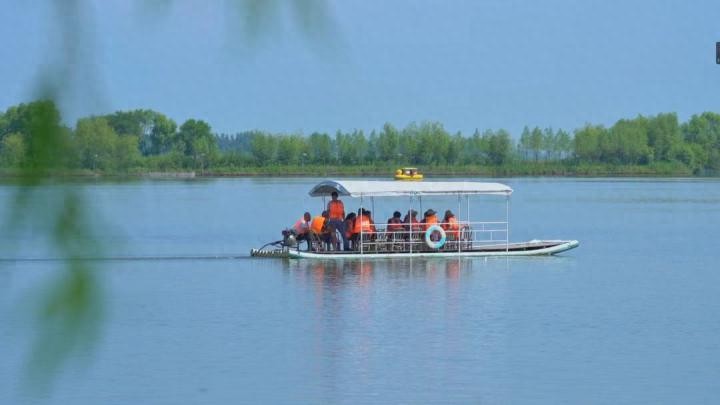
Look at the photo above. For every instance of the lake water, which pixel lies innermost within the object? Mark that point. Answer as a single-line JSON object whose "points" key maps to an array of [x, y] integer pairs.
{"points": [[631, 316]]}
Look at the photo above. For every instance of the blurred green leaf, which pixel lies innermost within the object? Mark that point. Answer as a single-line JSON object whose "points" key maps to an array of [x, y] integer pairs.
{"points": [[70, 308]]}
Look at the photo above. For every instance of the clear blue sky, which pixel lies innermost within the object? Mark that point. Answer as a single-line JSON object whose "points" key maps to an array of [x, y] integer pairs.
{"points": [[468, 64]]}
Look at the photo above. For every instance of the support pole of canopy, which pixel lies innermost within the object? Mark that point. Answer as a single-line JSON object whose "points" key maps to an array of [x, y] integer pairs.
{"points": [[507, 223], [374, 243], [467, 212], [458, 237], [467, 218], [324, 207], [410, 224], [359, 218]]}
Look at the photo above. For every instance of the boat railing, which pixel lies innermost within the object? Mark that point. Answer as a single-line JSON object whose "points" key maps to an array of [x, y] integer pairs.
{"points": [[469, 235], [488, 233]]}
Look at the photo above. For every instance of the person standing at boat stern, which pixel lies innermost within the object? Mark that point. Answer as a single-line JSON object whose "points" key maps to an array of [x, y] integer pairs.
{"points": [[336, 218]]}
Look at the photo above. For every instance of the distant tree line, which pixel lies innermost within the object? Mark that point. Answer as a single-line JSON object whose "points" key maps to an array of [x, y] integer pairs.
{"points": [[427, 143], [145, 139], [115, 142]]}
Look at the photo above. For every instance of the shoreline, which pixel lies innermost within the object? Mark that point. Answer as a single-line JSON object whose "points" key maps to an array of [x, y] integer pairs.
{"points": [[535, 170]]}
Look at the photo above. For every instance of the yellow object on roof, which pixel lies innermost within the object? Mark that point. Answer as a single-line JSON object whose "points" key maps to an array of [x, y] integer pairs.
{"points": [[408, 173]]}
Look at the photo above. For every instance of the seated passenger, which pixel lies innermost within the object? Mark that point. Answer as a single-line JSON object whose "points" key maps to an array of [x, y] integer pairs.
{"points": [[412, 225], [429, 219], [365, 225], [451, 226], [318, 223], [302, 226], [349, 226], [323, 232], [395, 225], [300, 229]]}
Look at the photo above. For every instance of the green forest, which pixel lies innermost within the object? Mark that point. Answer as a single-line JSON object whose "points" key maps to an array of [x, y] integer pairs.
{"points": [[141, 141]]}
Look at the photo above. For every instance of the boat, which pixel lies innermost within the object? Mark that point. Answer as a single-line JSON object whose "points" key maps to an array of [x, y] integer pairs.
{"points": [[408, 173], [468, 238]]}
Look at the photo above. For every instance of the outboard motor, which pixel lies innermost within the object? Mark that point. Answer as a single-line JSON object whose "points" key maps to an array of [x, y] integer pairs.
{"points": [[278, 248]]}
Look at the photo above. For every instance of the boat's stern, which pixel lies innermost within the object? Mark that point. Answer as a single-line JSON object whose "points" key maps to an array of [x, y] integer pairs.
{"points": [[276, 252]]}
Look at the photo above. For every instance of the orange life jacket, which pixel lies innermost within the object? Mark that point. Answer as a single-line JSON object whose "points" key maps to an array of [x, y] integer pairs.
{"points": [[430, 221], [395, 225], [336, 209], [452, 226], [317, 224], [363, 223]]}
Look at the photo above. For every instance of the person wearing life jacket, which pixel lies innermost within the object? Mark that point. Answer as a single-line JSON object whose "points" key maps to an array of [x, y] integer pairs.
{"points": [[429, 219], [412, 225], [336, 217], [395, 225], [318, 223], [349, 226], [317, 226], [302, 225], [364, 224], [451, 226], [324, 231], [299, 230]]}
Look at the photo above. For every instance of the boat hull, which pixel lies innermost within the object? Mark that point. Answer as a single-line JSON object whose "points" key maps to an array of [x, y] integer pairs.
{"points": [[531, 248]]}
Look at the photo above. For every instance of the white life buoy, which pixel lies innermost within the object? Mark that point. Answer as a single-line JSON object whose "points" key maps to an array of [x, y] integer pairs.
{"points": [[433, 244]]}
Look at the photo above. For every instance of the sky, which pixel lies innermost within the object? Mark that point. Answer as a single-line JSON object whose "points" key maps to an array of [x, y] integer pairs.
{"points": [[361, 63]]}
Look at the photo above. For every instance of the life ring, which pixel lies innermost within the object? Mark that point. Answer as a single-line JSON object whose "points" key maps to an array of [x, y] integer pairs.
{"points": [[432, 244]]}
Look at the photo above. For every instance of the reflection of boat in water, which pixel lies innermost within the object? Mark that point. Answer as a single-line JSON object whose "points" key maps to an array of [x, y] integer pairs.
{"points": [[470, 238], [358, 272], [408, 173]]}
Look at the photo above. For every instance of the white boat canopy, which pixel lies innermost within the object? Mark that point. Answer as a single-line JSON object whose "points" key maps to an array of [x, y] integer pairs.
{"points": [[362, 188]]}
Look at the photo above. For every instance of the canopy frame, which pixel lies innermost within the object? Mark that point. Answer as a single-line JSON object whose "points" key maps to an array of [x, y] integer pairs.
{"points": [[366, 188]]}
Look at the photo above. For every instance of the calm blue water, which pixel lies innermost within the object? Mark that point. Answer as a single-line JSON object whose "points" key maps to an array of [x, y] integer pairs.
{"points": [[632, 316]]}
